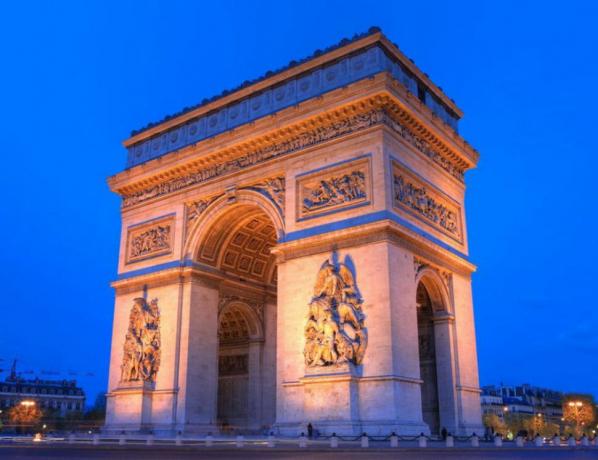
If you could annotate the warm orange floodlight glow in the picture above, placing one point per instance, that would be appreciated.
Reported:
(27, 403)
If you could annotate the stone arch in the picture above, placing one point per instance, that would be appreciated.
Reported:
(436, 335)
(224, 205)
(436, 289)
(240, 375)
(248, 323)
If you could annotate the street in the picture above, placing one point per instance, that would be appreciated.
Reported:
(169, 452)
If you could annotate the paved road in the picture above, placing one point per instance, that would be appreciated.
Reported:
(160, 452)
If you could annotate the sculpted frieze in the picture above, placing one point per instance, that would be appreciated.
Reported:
(273, 188)
(334, 188)
(334, 191)
(335, 331)
(300, 141)
(425, 147)
(141, 351)
(305, 139)
(150, 240)
(196, 209)
(419, 199)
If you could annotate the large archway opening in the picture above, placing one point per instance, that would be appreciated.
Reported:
(427, 359)
(237, 244)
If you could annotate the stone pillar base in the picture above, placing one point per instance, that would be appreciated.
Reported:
(129, 408)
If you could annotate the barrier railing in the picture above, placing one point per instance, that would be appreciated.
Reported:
(333, 441)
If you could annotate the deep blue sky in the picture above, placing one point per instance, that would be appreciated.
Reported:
(76, 77)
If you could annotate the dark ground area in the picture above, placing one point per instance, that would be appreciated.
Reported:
(159, 452)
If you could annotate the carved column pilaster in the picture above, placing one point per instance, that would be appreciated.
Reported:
(254, 399)
(446, 370)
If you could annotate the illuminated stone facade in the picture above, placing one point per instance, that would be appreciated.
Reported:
(304, 237)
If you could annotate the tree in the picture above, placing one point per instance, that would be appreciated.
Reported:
(516, 423)
(25, 415)
(97, 413)
(494, 422)
(579, 412)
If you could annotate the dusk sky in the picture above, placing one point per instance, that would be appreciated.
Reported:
(77, 77)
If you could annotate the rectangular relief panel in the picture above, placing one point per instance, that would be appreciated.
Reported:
(334, 188)
(150, 239)
(419, 198)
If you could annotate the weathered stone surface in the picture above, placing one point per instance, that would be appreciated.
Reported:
(298, 251)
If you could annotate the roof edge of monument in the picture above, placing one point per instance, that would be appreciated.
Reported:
(295, 67)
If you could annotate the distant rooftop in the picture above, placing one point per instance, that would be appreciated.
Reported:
(297, 81)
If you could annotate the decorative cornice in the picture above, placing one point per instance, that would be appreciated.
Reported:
(304, 139)
(335, 67)
(361, 115)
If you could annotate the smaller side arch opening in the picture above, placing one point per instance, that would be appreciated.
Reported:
(427, 358)
(238, 329)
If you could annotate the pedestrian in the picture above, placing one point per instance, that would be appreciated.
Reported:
(443, 433)
(310, 430)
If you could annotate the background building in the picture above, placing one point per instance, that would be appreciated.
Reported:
(62, 396)
(522, 399)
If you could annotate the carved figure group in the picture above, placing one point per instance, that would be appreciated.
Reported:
(336, 190)
(154, 239)
(195, 209)
(335, 330)
(274, 188)
(417, 199)
(141, 354)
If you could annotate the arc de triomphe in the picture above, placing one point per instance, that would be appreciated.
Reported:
(295, 251)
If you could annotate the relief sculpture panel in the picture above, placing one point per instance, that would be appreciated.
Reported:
(421, 200)
(150, 240)
(141, 355)
(335, 332)
(333, 189)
